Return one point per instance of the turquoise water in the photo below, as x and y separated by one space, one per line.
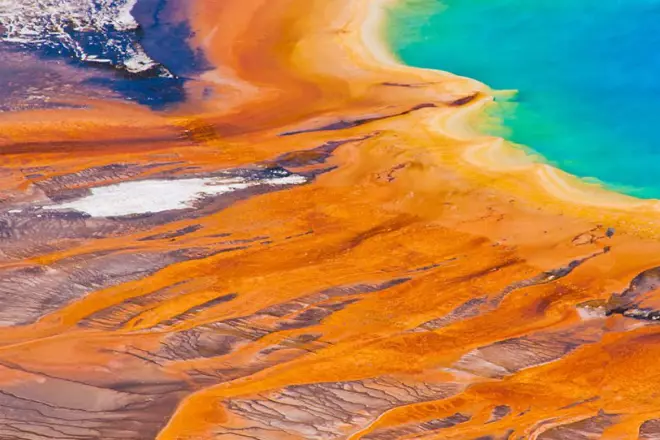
587 72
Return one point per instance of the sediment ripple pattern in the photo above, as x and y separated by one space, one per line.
304 250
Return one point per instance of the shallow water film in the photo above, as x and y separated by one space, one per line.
328 219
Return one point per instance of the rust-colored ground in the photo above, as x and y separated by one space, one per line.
403 293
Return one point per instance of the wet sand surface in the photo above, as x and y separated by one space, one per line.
356 267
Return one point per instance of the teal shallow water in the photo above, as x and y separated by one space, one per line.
587 72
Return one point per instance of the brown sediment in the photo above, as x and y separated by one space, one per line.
423 283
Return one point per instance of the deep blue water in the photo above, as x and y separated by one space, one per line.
587 72
163 36
166 40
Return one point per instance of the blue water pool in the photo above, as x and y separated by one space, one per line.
587 72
